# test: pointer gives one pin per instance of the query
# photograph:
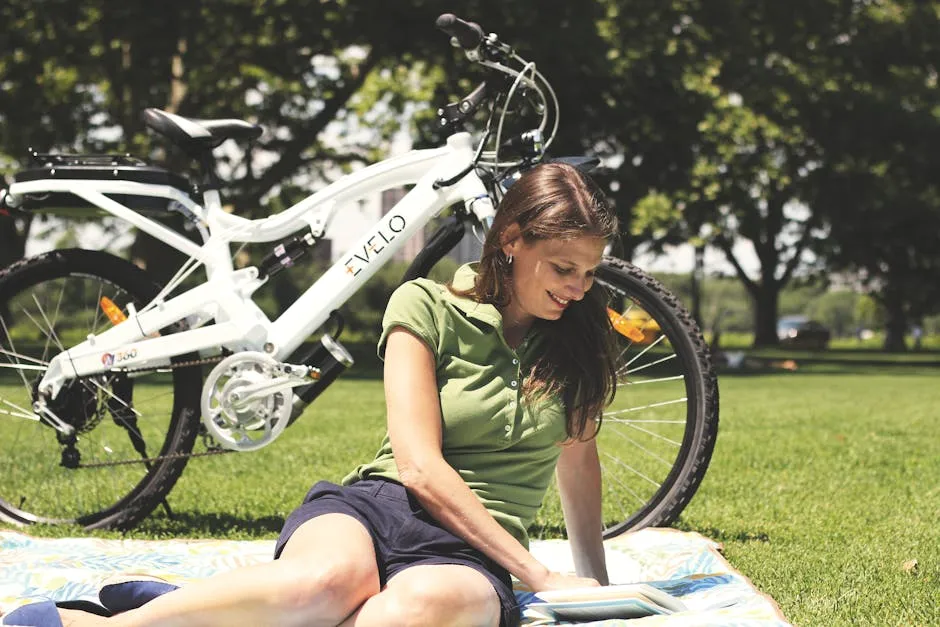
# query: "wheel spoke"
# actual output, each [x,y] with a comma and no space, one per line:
[678,377]
[104,390]
[19,411]
[649,406]
[14,352]
[53,302]
[55,318]
[40,364]
[651,364]
[52,334]
[94,322]
[645,350]
[619,462]
[41,330]
[649,453]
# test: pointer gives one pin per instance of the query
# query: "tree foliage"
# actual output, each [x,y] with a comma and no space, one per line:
[806,113]
[879,123]
[804,128]
[325,79]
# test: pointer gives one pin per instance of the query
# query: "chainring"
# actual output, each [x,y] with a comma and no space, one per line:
[236,423]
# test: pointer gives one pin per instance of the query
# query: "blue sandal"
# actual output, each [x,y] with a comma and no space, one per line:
[128,595]
[46,613]
[41,614]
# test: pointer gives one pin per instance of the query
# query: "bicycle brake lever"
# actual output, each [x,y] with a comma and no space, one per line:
[457,112]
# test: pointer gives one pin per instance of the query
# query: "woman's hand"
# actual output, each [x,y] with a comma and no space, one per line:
[559,581]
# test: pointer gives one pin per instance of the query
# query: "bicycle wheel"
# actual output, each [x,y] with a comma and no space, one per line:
[657,436]
[99,476]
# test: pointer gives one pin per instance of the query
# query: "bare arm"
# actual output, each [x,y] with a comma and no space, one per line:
[579,484]
[414,427]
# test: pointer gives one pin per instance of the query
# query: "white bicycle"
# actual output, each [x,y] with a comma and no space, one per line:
[108,378]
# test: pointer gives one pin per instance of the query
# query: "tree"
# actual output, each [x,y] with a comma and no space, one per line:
[328,80]
[736,158]
[788,99]
[756,154]
[297,70]
[879,124]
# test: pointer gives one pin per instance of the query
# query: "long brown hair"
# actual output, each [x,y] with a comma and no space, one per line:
[558,201]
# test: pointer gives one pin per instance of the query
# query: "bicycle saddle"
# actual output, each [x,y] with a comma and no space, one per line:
[194,135]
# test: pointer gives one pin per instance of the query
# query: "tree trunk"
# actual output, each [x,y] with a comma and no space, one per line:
[765,314]
[895,325]
[13,234]
[159,259]
[698,274]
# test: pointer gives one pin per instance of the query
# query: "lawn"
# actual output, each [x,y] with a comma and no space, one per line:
[823,488]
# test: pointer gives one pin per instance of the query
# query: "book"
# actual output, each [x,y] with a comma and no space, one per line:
[601,603]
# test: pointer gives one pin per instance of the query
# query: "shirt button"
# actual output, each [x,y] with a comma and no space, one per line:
[515,362]
[508,428]
[513,383]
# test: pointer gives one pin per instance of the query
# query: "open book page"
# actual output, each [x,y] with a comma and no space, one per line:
[599,603]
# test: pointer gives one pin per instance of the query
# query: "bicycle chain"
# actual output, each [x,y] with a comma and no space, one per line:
[213,449]
[173,366]
[158,458]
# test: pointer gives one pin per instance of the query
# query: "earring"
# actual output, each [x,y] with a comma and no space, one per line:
[509,259]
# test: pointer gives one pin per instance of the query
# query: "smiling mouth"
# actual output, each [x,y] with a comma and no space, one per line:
[560,301]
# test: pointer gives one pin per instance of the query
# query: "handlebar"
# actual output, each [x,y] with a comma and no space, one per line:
[468,34]
[511,82]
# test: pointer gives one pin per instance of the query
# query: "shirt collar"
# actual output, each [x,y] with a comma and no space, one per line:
[464,280]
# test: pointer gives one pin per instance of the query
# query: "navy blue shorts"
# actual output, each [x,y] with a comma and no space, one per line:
[403,534]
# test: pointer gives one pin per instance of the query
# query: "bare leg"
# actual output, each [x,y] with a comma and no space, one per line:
[457,596]
[325,572]
[76,618]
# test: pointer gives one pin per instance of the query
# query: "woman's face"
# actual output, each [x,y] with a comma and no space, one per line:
[548,275]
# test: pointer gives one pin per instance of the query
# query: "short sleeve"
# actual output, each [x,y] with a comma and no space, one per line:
[414,306]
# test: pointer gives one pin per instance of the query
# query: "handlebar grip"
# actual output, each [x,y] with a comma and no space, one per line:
[468,34]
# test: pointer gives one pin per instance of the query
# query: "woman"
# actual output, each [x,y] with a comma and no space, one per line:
[492,384]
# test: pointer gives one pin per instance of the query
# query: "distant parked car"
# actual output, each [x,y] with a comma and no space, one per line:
[801,332]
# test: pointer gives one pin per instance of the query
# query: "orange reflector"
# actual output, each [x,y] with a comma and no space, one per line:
[112,311]
[624,326]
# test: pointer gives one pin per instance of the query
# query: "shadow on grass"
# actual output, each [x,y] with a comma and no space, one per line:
[182,525]
[214,525]
[725,535]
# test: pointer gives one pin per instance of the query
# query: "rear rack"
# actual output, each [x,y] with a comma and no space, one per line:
[48,159]
[84,167]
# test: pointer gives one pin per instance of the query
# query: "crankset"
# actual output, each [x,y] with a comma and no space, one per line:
[248,397]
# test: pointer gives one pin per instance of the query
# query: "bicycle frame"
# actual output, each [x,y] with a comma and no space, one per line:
[226,296]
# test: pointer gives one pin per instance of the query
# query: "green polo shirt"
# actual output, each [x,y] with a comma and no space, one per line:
[504,448]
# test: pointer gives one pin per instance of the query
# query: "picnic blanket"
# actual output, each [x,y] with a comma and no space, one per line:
[686,565]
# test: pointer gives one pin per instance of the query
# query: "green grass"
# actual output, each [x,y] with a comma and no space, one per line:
[822,487]
[732,340]
[824,483]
